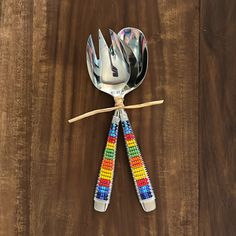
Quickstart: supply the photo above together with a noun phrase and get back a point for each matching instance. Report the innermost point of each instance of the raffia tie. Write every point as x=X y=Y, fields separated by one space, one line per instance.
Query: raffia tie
x=119 y=104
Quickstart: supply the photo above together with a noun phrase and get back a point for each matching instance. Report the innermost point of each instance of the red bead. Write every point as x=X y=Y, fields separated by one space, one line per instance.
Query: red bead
x=111 y=139
x=104 y=182
x=142 y=182
x=129 y=136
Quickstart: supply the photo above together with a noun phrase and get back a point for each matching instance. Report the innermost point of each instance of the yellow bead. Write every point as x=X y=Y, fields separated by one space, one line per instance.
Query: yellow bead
x=105 y=177
x=105 y=171
x=138 y=169
x=140 y=177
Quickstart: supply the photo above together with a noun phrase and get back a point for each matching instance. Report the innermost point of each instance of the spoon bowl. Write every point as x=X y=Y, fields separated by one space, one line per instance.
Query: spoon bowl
x=136 y=41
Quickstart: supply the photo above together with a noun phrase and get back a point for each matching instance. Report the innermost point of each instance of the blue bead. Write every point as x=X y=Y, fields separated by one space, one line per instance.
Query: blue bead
x=146 y=195
x=143 y=191
x=143 y=196
x=144 y=188
x=127 y=131
x=103 y=189
x=112 y=134
x=102 y=196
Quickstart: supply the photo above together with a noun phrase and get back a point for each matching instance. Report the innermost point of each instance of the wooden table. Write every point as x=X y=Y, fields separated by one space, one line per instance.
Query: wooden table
x=48 y=168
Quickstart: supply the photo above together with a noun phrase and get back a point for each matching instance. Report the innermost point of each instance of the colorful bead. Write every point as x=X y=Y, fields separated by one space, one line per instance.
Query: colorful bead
x=104 y=184
x=136 y=163
x=142 y=182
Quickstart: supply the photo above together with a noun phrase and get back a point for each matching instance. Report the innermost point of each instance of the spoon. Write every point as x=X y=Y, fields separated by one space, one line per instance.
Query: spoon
x=136 y=41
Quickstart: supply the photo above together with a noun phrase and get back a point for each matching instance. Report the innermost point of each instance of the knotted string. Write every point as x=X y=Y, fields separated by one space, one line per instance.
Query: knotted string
x=119 y=104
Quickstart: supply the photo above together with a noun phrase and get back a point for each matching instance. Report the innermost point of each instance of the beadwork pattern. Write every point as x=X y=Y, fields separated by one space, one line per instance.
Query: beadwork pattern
x=104 y=184
x=140 y=176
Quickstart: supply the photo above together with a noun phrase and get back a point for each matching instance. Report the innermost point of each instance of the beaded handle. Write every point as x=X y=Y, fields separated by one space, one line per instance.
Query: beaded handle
x=140 y=176
x=106 y=173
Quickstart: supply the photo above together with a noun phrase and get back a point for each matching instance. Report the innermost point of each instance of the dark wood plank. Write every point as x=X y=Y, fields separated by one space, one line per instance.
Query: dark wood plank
x=217 y=118
x=48 y=167
x=15 y=118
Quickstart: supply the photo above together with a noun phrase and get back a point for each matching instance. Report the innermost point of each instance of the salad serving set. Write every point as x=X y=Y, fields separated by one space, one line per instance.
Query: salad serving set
x=120 y=68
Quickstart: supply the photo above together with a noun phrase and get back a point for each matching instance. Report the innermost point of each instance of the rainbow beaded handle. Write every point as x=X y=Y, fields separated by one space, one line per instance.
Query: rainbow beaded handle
x=106 y=173
x=140 y=176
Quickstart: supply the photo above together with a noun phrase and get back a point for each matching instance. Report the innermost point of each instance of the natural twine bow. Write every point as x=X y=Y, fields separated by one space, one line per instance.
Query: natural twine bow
x=119 y=104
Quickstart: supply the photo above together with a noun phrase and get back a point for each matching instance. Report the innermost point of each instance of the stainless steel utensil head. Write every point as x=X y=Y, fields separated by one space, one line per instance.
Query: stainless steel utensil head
x=136 y=41
x=111 y=72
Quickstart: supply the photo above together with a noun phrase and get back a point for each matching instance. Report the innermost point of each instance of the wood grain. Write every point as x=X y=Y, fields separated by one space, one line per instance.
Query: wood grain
x=48 y=168
x=217 y=118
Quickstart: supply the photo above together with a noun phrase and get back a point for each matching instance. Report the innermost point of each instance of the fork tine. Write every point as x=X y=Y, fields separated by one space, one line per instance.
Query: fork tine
x=116 y=43
x=102 y=44
x=92 y=61
x=91 y=48
x=104 y=51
